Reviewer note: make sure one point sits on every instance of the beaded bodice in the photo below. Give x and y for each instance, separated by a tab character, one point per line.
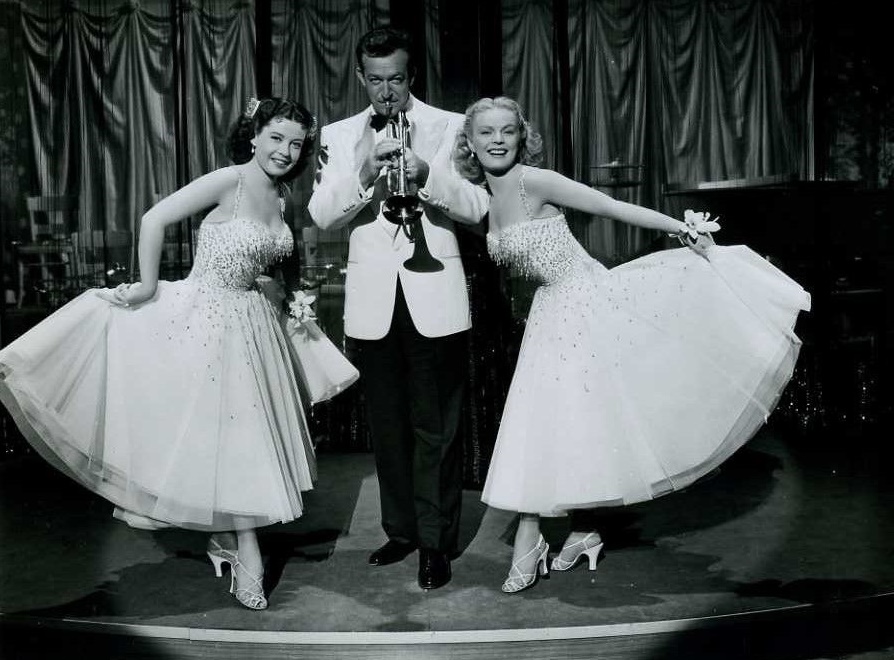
540	249
232	254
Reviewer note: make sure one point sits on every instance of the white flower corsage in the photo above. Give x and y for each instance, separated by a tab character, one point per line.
696	224
300	310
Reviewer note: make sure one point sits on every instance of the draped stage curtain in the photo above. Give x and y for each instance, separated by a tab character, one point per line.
530	69
313	61
218	63
693	90
313	52
130	100
99	80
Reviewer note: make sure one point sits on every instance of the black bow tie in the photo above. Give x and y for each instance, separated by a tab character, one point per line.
378	122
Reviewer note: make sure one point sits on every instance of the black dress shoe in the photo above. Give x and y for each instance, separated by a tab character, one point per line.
434	569
390	553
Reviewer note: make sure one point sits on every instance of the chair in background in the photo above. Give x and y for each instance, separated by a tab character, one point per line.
50	252
104	258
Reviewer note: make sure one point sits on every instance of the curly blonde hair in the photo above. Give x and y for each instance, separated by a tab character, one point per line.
530	148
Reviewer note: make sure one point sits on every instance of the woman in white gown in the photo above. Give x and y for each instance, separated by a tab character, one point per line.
630	382
178	401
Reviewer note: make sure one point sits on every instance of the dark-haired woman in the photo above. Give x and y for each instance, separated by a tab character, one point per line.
178	401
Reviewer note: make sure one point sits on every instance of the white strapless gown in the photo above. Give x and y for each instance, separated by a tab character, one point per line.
184	410
635	381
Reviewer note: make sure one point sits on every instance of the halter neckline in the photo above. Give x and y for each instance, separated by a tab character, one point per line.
282	204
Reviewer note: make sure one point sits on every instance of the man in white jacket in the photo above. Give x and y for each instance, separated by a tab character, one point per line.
410	328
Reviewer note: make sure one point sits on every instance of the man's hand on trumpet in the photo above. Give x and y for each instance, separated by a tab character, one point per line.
387	154
384	154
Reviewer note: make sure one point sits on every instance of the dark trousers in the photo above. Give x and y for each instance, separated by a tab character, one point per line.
413	387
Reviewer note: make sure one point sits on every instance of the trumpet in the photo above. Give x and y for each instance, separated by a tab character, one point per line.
402	207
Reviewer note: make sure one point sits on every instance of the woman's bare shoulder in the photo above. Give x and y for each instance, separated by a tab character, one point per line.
224	183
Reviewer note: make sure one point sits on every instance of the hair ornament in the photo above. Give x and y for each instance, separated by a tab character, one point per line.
312	131
251	107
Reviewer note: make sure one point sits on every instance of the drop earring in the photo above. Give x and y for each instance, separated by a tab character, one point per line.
252	148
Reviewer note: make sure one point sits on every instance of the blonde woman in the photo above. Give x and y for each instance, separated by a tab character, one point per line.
630	382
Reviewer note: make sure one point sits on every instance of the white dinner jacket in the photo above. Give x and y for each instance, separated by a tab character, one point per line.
438	302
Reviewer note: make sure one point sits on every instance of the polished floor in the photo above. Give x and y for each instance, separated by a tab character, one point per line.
793	536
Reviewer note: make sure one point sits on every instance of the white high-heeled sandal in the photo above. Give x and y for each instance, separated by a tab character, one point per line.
590	546
518	580
253	597
219	556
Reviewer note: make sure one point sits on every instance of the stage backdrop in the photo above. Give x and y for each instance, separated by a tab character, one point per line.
692	91
128	99
122	101
119	102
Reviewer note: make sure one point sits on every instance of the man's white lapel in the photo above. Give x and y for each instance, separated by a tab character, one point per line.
428	130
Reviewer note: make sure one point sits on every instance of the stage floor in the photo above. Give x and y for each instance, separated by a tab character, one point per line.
784	527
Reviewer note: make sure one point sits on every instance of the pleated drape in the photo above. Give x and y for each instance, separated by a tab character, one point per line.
313	60
313	52
219	69
131	100
100	87
692	90
530	68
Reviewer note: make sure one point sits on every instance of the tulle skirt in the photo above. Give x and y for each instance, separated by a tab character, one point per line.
636	381
184	411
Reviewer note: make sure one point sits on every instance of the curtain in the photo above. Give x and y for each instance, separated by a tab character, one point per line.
691	90
99	92
130	100
612	99
313	53
218	64
15	144
313	62
434	80
530	68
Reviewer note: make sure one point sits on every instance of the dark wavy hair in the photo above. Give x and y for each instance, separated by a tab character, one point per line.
530	148
382	42
247	127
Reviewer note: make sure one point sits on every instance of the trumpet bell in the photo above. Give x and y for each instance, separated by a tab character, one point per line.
404	211
401	209
422	260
